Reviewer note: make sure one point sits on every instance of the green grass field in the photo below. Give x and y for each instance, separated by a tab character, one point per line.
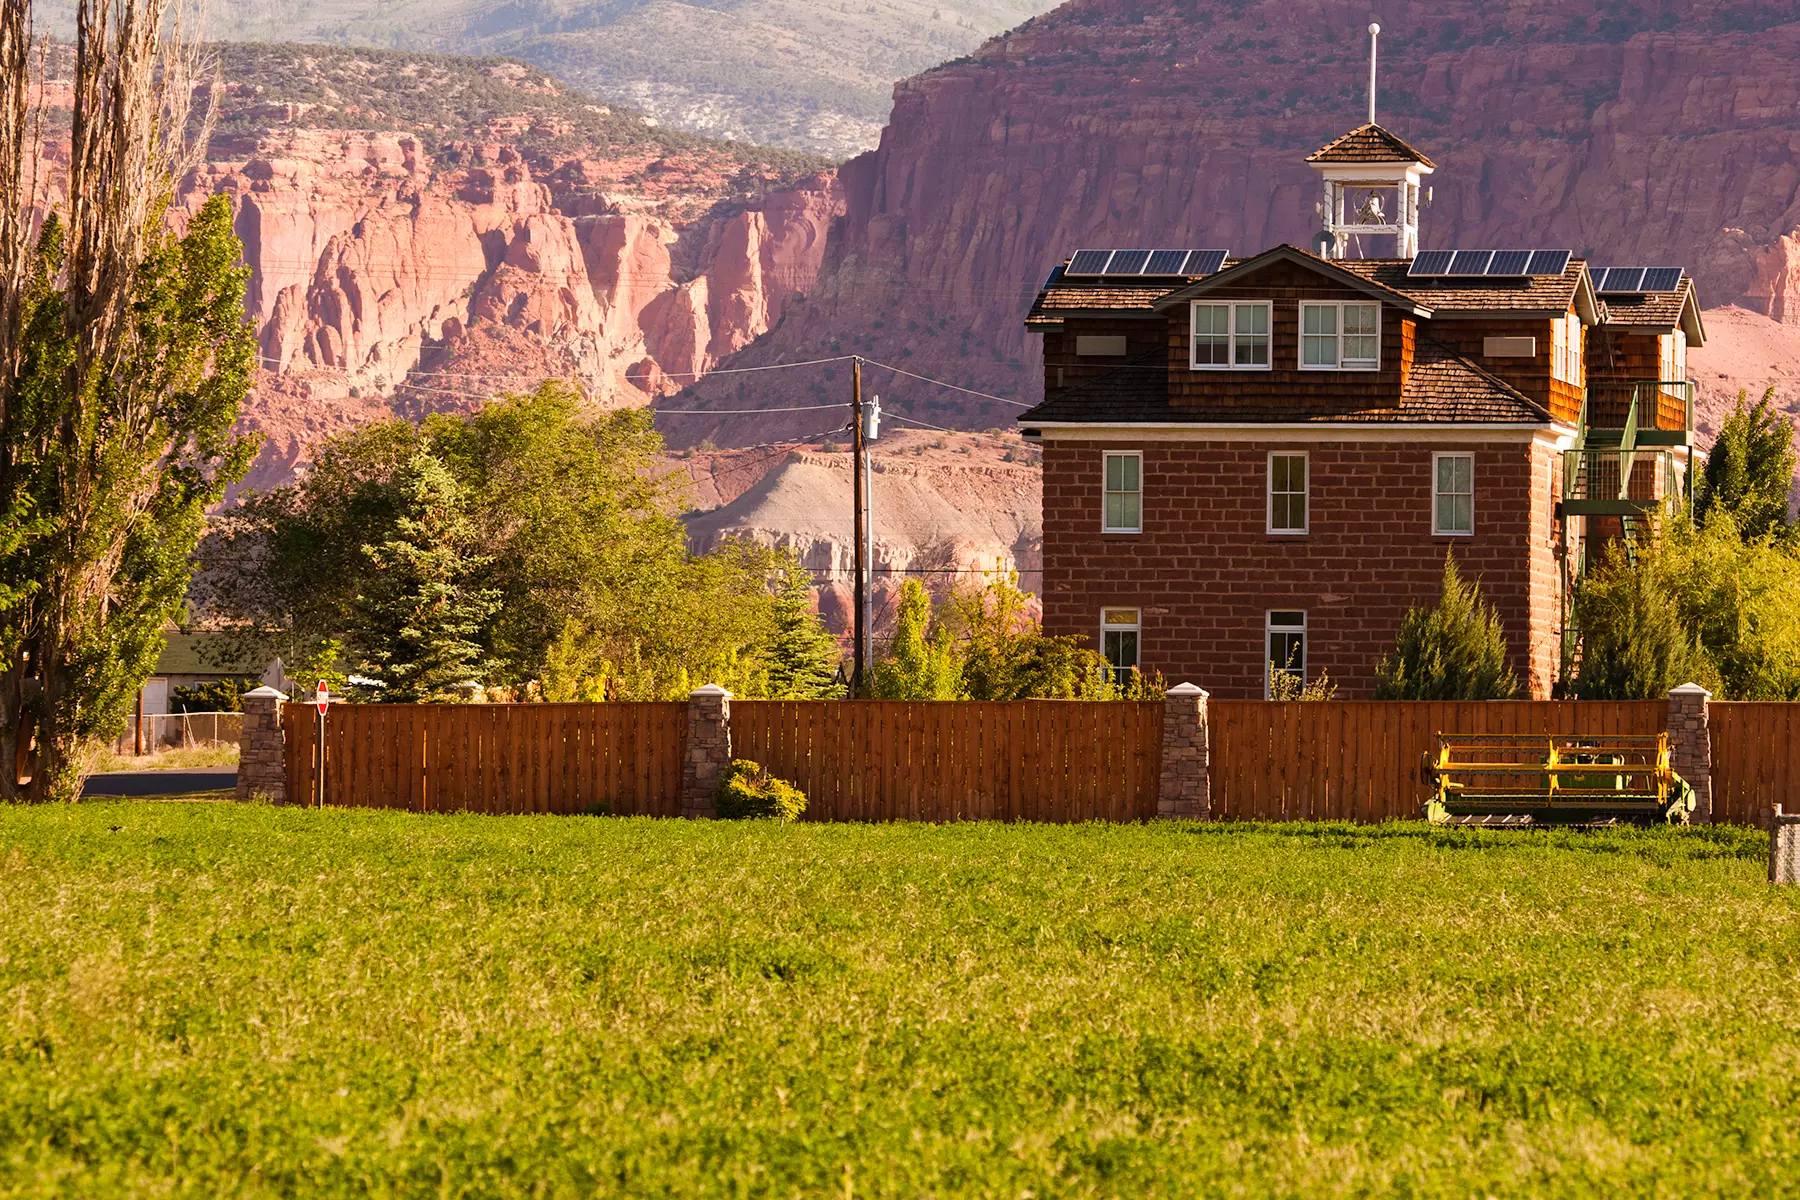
222	1000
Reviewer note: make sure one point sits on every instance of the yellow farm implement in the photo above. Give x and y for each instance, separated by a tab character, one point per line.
1525	780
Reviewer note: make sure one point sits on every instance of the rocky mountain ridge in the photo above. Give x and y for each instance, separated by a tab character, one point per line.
1652	131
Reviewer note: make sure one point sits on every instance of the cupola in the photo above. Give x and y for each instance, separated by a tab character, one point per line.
1372	180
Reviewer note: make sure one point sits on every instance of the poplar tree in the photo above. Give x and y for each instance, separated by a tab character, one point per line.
1749	471
124	355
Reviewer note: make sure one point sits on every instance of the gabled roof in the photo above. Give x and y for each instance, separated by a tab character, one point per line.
1368	144
1061	297
1332	270
1660	310
1442	387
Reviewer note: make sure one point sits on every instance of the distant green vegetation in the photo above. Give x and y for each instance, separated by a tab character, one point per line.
210	999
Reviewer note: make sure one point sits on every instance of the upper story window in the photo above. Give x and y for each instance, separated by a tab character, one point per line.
1453	494
1124	493
1672	355
1230	337
1566	360
1287	493
1340	336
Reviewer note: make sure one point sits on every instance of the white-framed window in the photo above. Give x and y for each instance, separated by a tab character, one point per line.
1565	349
1340	336
1124	491
1287	491
1453	495
1672	356
1230	336
1286	645
1119	629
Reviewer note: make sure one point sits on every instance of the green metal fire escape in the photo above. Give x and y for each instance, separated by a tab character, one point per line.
1623	468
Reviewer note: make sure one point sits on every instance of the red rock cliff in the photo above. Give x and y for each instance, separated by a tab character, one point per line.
1652	131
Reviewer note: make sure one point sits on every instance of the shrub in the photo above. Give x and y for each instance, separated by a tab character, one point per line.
748	791
1453	651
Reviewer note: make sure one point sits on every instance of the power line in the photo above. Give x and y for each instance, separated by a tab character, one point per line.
953	387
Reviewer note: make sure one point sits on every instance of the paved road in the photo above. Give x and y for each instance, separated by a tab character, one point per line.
160	783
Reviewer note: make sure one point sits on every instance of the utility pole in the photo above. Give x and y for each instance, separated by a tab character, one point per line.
871	432
857	471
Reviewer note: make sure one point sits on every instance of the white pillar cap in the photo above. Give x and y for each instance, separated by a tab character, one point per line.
711	689
1689	689
1187	689
264	692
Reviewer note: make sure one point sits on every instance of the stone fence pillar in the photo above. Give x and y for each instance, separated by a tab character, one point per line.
1186	791
1784	847
262	751
708	749
1690	745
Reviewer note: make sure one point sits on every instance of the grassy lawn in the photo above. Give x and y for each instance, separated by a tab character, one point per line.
225	1000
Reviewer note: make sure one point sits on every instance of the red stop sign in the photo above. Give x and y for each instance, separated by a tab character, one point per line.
324	697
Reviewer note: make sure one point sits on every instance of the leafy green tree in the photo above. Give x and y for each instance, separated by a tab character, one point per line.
112	447
801	658
1749	471
1739	598
921	662
1634	643
1007	656
1454	650
418	616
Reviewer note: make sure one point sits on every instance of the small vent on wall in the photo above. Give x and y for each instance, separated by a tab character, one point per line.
1509	347
1089	345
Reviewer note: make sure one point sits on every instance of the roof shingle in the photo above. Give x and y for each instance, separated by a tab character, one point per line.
1368	144
1442	387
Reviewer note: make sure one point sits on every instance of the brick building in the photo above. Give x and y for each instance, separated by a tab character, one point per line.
1266	459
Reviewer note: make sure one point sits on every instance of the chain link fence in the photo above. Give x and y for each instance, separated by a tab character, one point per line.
180	731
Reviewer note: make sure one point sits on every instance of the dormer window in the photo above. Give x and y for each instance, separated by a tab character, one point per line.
1230	337
1340	336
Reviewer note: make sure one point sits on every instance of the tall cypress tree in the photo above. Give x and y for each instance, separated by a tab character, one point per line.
1454	650
419	616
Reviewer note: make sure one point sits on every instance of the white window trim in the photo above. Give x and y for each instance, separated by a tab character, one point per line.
1435	531
1269	493
1338	338
1136	627
1269	628
1105	458
1231	307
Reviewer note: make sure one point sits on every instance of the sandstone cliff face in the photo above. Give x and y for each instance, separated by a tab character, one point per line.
1652	131
386	273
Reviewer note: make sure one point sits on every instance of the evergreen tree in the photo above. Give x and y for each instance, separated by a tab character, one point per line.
1454	650
1750	469
801	658
1634	644
921	662
419	616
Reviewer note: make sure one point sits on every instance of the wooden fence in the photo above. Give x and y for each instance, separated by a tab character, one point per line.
1755	760
1363	760
623	759
1025	760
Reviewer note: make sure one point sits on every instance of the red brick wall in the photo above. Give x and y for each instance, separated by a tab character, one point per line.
1205	571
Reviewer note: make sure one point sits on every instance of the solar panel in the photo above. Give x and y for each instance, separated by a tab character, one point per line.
1623	280
1662	279
1510	262
1206	262
1089	262
1431	262
1166	262
1548	262
1470	262
1128	262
